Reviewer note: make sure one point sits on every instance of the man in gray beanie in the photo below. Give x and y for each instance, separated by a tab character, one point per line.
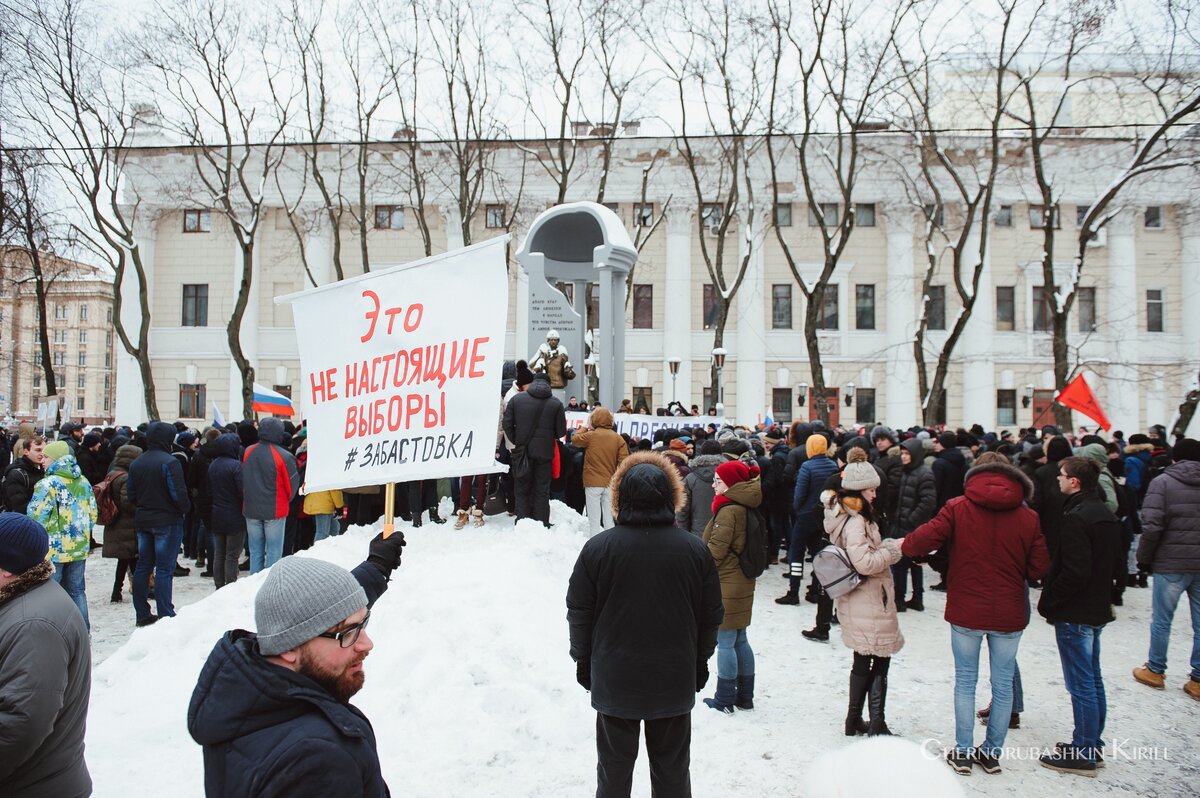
45	671
280	698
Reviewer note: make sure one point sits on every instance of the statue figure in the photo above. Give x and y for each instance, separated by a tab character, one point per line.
554	360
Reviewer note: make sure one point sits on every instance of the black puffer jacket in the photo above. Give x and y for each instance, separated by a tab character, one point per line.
1171	521
949	475
94	465
19	480
156	482
225	486
1083	564
270	732
197	478
644	604
522	411
916	496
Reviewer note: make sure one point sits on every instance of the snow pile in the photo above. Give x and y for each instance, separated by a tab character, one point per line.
471	690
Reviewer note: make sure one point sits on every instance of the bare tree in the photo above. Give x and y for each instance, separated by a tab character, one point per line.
234	146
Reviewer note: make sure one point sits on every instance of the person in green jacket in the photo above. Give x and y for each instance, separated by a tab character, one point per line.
63	503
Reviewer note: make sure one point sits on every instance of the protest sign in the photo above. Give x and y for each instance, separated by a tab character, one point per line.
400	369
639	426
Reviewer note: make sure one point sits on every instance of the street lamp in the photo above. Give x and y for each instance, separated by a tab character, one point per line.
849	393
281	375
1028	397
673	365
718	355
802	393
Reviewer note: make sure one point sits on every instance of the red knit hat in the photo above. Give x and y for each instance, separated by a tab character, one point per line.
735	471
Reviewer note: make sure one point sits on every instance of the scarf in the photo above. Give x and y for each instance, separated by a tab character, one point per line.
26	581
719	502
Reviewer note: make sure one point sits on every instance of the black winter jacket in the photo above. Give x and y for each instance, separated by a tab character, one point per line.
916	496
156	483
197	479
94	465
949	475
779	495
1083	564
519	416
225	486
644	604
1048	500
19	480
269	732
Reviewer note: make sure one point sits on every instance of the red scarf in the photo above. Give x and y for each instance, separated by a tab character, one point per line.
719	502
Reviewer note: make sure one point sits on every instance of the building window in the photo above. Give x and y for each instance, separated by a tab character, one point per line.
197	221
1154	310
108	338
37	312
643	396
83	312
935	213
1043	316
60	358
1037	217
829	214
108	315
1006	408
107	405
864	306
712	214
60	336
83	333
108	360
60	313
864	214
83	358
864	405
37	358
643	306
615	207
712	309
1004	216
195	305
1081	212
643	214
1006	308
192	401
107	383
1085	308
827	318
935	310
79	403
1154	219
781	307
494	216
781	405
37	380
389	217
783	215
82	382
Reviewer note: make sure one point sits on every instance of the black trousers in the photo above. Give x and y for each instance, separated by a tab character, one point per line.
668	744
533	490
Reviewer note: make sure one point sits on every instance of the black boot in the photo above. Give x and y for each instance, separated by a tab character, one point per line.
745	692
876	704
724	697
818	634
434	517
859	685
791	597
416	520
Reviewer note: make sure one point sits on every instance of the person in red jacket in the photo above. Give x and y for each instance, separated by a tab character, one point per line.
996	545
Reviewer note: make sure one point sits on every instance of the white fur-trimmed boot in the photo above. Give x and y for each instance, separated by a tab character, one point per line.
477	514
461	521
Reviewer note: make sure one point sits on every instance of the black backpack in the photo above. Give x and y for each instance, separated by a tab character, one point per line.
753	556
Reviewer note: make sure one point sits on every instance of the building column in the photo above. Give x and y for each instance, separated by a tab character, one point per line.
452	221
318	247
978	358
1189	296
750	361
1122	390
248	334
677	302
129	406
903	408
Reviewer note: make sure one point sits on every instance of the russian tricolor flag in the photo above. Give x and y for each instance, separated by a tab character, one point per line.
268	401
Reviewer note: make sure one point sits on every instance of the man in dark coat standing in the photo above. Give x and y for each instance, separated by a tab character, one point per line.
534	420
644	604
272	710
949	476
1077	599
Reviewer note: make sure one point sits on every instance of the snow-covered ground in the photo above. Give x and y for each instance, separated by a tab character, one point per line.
472	692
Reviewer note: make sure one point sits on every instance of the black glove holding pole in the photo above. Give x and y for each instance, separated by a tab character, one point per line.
583	673
384	553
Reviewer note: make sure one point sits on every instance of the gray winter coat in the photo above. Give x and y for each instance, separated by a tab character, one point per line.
1171	521
45	682
698	489
270	476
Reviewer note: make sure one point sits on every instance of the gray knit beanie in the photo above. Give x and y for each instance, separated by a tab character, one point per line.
300	598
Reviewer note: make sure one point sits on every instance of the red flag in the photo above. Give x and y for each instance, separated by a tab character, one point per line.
1078	396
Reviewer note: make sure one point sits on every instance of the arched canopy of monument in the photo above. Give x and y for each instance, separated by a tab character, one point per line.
575	237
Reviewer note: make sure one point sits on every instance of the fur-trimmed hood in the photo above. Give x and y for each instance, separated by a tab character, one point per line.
998	486
646	490
1134	448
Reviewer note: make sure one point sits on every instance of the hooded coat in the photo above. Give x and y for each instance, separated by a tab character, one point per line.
995	545
270	474
522	411
270	732
156	482
806	498
1171	521
120	537
698	494
725	536
19	481
1108	488
644	600
63	503
867	614
603	449
949	474
226	486
916	494
197	478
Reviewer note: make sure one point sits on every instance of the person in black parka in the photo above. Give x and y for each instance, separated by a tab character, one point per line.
643	605
223	483
534	420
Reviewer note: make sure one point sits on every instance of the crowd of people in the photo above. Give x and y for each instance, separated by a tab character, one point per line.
660	586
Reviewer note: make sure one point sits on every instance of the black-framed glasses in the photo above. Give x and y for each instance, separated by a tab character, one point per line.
348	637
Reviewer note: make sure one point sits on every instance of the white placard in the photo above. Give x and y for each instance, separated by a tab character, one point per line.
401	369
640	426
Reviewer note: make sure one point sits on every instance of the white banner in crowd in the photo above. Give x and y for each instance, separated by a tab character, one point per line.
639	426
401	369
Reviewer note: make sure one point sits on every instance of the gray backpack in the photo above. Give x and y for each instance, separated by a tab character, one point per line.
834	571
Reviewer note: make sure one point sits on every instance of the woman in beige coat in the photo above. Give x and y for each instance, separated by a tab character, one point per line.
867	613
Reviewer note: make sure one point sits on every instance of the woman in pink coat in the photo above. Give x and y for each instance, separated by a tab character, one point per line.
867	613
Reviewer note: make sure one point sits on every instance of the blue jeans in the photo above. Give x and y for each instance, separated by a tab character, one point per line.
326	525
71	576
734	656
158	548
1002	657
1079	650
266	542
1167	590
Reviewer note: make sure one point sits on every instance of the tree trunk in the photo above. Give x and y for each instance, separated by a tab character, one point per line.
811	342
1062	413
234	330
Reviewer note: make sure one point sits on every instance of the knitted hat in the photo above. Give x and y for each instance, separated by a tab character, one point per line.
858	473
816	445
300	598
1138	439
524	375
90	440
23	542
1186	449
55	450
734	471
